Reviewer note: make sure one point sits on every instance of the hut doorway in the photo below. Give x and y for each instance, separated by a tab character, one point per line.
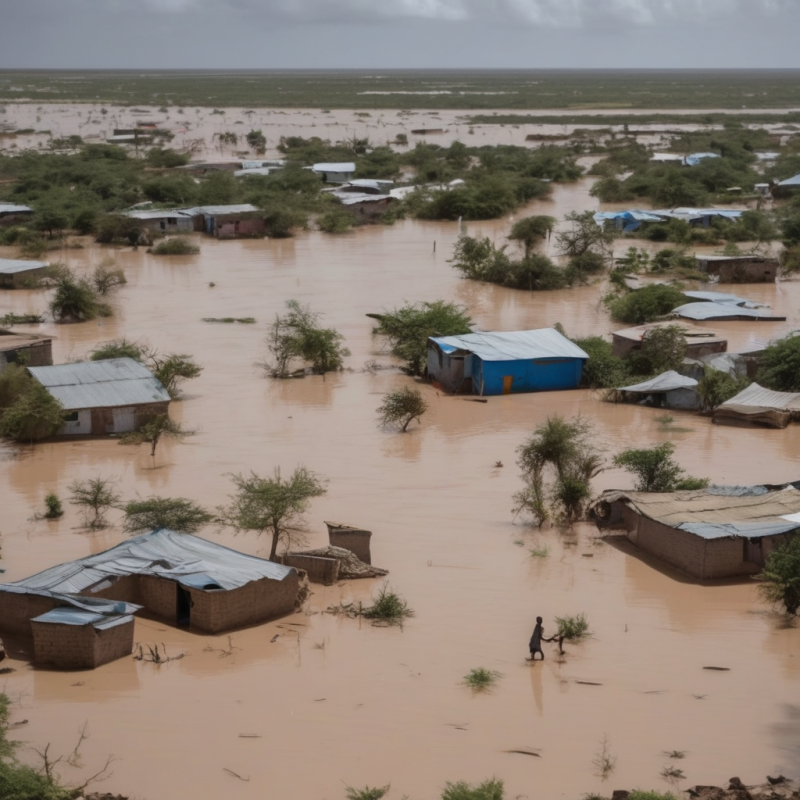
184	606
508	382
754	552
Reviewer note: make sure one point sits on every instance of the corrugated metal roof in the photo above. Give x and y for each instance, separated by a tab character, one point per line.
723	311
68	615
162	553
693	333
353	198
757	397
344	166
10	266
694	159
712	515
11	208
219	211
665	382
160	214
372	183
794	181
759	259
512	345
101	384
725	298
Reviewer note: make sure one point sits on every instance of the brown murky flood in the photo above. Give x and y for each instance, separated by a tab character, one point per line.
335	701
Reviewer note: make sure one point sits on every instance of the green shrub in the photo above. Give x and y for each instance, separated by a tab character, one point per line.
53	505
647	304
480	679
117	228
603	370
76	299
488	790
408	328
119	348
573	628
780	578
401	407
174	513
34	415
337	220
716	387
367	793
656	471
175	246
663	348
388	607
780	365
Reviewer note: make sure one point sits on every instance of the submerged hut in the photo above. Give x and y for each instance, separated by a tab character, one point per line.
340	172
699	341
756	405
175	577
505	362
739	269
24	348
719	532
667	390
20	274
117	395
236	221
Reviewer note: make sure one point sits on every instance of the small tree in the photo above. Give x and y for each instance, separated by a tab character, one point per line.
656	470
584	235
780	364
297	335
564	451
174	513
257	141
34	414
53	505
532	230
408	328
273	505
780	578
646	304
94	496
663	348
716	387
401	407
107	277
172	369
152	432
76	299
118	348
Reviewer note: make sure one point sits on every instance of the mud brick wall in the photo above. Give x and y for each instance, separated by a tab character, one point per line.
125	588
63	646
354	540
159	597
17	611
681	549
113	643
319	569
258	601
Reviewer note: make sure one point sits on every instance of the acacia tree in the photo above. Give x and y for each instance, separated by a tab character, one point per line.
400	408
94	496
175	513
273	506
780	578
531	230
152	432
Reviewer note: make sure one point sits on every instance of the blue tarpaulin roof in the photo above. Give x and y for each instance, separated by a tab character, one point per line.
693	159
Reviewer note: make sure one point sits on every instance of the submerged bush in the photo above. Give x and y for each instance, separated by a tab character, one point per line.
76	299
717	387
388	607
603	370
573	628
401	407
780	364
175	246
480	679
35	414
647	304
488	790
780	578
656	471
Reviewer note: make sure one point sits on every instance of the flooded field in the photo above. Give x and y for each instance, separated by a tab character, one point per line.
331	701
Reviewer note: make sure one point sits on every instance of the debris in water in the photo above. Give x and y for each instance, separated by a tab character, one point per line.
249	735
719	669
236	775
525	752
274	638
588	683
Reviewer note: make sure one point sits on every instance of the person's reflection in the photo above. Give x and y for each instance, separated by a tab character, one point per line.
536	685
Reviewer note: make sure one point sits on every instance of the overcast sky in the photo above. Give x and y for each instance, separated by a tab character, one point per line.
272	34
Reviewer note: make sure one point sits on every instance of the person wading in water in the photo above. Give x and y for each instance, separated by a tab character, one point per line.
535	644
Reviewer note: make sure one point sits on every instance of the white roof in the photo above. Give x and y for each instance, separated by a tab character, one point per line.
724	298
665	382
10	266
352	198
218	211
795	181
111	383
10	208
722	311
163	213
755	396
254	171
512	345
344	166
181	557
371	183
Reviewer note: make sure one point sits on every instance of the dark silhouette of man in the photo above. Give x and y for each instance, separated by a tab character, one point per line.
535	644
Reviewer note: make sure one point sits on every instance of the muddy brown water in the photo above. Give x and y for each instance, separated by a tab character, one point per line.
337	702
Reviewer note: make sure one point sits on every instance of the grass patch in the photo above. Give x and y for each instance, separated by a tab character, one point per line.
175	246
480	679
488	790
573	628
388	608
539	551
21	319
367	793
229	320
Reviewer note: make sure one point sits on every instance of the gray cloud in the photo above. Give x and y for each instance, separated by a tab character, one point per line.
545	13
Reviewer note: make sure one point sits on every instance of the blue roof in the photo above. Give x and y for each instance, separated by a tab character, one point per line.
693	159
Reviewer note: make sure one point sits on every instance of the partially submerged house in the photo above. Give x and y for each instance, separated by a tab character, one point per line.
632	220
162	220
18	273
365	205
12	213
667	390
719	532
756	405
235	221
79	613
505	362
29	349
117	395
699	341
739	269
341	172
722	306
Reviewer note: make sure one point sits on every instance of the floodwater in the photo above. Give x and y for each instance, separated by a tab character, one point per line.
198	129
331	701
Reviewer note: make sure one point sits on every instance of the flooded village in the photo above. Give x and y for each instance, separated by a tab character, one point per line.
224	660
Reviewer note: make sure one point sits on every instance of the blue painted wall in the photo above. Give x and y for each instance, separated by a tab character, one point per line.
542	375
